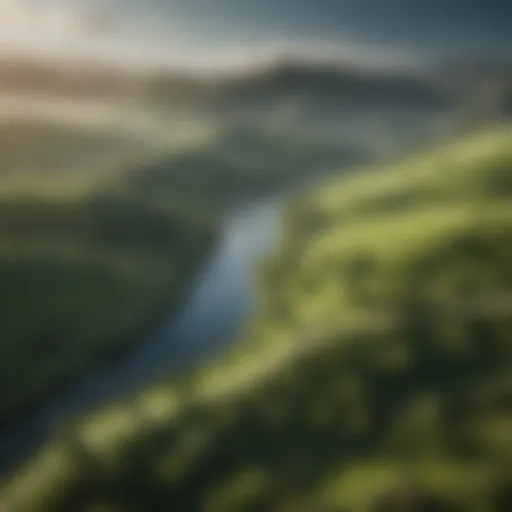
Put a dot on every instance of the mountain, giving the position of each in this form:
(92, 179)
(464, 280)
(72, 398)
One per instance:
(328, 95)
(330, 83)
(436, 86)
(345, 83)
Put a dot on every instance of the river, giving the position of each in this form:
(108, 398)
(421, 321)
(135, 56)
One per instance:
(213, 313)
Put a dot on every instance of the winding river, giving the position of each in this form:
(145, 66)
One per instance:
(213, 313)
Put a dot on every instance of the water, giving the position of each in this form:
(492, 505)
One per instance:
(213, 314)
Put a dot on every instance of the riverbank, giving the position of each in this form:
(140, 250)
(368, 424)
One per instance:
(114, 349)
(82, 276)
(211, 312)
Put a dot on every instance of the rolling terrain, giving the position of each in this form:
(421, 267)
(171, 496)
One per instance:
(376, 373)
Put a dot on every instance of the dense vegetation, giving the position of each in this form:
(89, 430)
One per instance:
(239, 162)
(377, 376)
(97, 238)
(83, 272)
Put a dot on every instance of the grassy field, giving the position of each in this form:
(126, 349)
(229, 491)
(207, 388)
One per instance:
(377, 373)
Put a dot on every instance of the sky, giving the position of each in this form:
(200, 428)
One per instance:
(223, 32)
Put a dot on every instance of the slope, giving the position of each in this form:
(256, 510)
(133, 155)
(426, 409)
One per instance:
(376, 376)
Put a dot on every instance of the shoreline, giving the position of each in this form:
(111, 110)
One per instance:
(167, 305)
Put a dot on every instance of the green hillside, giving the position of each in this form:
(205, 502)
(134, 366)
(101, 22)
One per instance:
(83, 272)
(376, 377)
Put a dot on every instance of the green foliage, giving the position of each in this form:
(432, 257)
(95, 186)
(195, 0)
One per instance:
(239, 163)
(377, 375)
(83, 275)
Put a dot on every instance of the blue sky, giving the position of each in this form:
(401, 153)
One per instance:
(420, 24)
(205, 29)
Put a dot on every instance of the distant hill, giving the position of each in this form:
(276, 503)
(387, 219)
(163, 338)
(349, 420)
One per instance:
(483, 88)
(330, 83)
(470, 93)
(269, 83)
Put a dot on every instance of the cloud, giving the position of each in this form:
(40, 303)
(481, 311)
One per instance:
(50, 24)
(87, 28)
